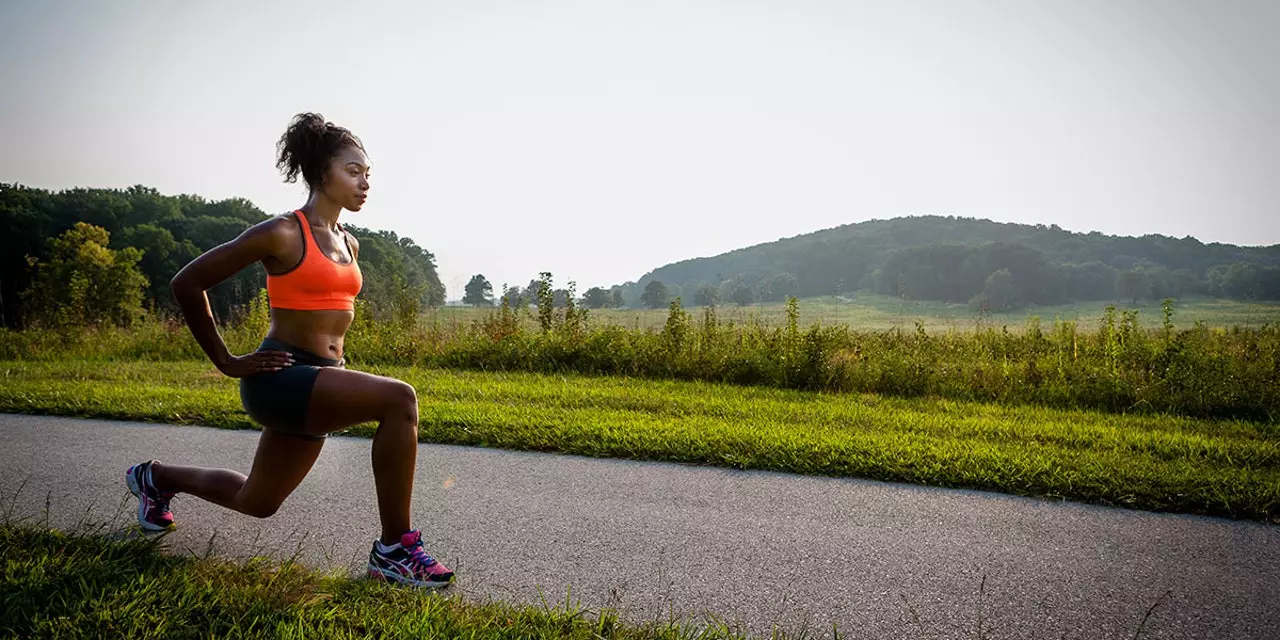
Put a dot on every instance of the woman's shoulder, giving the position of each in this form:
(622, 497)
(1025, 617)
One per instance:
(276, 229)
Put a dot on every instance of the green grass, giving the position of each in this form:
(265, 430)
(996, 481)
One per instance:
(1155, 462)
(1117, 366)
(81, 585)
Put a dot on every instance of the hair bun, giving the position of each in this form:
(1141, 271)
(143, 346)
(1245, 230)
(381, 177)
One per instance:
(308, 144)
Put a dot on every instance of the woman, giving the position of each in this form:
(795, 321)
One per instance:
(295, 384)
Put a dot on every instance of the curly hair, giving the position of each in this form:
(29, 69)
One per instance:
(308, 144)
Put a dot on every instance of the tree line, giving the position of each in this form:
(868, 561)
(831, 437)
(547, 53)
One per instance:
(479, 292)
(79, 255)
(86, 256)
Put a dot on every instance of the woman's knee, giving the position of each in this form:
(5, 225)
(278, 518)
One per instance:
(260, 509)
(403, 401)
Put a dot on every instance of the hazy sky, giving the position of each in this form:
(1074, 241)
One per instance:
(600, 139)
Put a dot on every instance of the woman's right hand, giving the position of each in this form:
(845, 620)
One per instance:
(257, 362)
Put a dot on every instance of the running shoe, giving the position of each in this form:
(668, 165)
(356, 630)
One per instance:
(407, 563)
(153, 506)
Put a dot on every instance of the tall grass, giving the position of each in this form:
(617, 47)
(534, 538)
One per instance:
(1117, 365)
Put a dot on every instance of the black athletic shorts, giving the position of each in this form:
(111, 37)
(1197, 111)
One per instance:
(278, 400)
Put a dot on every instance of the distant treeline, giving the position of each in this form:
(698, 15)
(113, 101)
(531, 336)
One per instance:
(993, 266)
(152, 235)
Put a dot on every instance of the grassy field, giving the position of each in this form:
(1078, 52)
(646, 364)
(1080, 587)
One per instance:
(81, 585)
(1118, 366)
(870, 311)
(1156, 462)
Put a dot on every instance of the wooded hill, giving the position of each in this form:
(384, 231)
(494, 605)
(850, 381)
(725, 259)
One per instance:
(991, 265)
(168, 232)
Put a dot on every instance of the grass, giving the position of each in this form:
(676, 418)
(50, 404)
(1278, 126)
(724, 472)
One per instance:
(90, 583)
(1154, 462)
(876, 312)
(1120, 366)
(86, 585)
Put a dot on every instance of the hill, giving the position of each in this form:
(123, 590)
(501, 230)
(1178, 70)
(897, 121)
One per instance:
(991, 265)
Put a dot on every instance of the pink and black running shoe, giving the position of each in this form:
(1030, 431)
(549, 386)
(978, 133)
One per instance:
(153, 506)
(407, 563)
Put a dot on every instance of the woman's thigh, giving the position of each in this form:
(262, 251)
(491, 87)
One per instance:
(342, 398)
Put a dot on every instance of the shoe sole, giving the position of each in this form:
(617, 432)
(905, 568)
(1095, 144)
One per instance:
(388, 576)
(136, 490)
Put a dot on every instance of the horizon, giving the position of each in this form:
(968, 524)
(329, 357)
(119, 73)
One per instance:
(602, 142)
(560, 282)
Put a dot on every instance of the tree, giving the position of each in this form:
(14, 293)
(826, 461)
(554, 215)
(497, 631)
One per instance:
(1186, 282)
(149, 207)
(172, 230)
(1245, 280)
(742, 294)
(615, 297)
(655, 295)
(1132, 284)
(516, 297)
(1160, 283)
(1090, 281)
(1125, 262)
(161, 256)
(761, 290)
(783, 286)
(706, 296)
(85, 283)
(392, 265)
(237, 208)
(478, 292)
(999, 291)
(596, 298)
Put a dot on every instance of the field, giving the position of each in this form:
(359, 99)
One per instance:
(1118, 366)
(870, 311)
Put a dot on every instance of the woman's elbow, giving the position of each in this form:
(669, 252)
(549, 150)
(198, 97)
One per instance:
(177, 283)
(183, 283)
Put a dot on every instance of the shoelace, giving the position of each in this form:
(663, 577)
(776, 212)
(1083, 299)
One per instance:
(420, 555)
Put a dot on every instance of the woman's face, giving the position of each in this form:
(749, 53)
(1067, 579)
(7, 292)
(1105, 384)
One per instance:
(347, 180)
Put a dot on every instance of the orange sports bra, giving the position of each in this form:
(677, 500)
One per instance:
(317, 282)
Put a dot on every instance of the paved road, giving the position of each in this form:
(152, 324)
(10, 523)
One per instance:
(757, 548)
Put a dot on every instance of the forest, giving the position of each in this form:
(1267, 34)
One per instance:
(84, 255)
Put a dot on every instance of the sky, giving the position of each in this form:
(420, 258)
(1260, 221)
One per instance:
(599, 140)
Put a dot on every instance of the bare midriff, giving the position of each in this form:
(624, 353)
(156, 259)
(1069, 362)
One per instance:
(320, 332)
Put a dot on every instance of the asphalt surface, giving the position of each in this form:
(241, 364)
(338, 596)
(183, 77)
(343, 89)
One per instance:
(758, 550)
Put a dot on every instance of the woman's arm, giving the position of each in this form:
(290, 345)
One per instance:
(260, 241)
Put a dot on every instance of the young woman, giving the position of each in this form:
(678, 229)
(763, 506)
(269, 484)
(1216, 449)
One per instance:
(295, 384)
